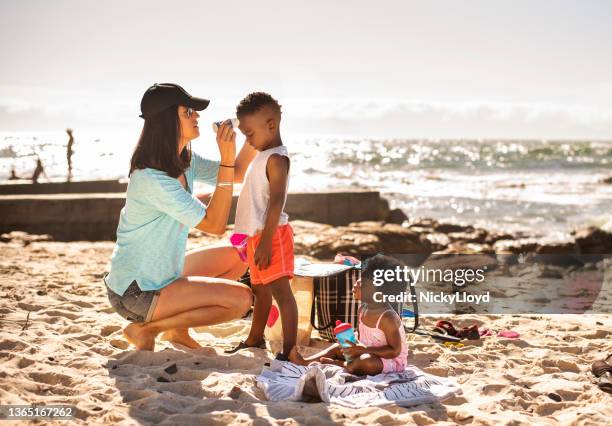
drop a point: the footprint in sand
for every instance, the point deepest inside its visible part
(30, 306)
(83, 304)
(119, 344)
(107, 330)
(52, 378)
(58, 313)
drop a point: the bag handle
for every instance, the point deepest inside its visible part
(415, 306)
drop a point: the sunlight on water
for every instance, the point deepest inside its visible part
(535, 185)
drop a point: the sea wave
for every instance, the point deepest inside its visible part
(544, 186)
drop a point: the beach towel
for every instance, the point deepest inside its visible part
(284, 381)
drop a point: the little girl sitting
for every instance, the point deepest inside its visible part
(382, 344)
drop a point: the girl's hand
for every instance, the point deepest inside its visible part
(354, 351)
(226, 141)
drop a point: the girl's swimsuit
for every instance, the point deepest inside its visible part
(375, 337)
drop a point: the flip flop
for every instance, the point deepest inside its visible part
(470, 333)
(484, 332)
(437, 334)
(242, 345)
(603, 372)
(446, 327)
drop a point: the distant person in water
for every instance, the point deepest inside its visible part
(38, 171)
(69, 153)
(13, 174)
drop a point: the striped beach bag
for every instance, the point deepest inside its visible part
(333, 300)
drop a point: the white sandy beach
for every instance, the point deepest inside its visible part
(70, 351)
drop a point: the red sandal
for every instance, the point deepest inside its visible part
(446, 327)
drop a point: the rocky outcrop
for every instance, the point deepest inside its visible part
(592, 240)
(522, 245)
(324, 241)
(396, 216)
(427, 236)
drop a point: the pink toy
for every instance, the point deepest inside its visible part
(346, 260)
(239, 241)
(272, 316)
(509, 334)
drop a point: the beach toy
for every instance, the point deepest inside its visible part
(235, 123)
(509, 334)
(239, 241)
(344, 334)
(347, 260)
(272, 316)
(407, 313)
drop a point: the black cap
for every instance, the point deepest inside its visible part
(163, 95)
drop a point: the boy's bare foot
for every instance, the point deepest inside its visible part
(137, 335)
(181, 336)
(325, 360)
(296, 358)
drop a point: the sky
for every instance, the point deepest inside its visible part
(413, 69)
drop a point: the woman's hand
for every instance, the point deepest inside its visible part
(226, 140)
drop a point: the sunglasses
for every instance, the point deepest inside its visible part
(189, 112)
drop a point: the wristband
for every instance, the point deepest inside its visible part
(230, 167)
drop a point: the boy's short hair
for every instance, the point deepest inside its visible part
(380, 262)
(255, 101)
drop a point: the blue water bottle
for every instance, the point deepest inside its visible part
(344, 334)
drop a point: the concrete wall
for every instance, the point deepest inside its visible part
(95, 216)
(81, 187)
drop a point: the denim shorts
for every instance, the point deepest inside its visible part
(135, 305)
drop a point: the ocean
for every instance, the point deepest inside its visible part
(540, 187)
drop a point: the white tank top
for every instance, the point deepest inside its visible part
(252, 208)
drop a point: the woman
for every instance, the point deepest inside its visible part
(152, 282)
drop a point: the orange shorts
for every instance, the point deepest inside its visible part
(281, 260)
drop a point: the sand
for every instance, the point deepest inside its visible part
(70, 351)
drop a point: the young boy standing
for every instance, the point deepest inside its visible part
(260, 216)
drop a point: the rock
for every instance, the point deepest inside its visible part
(394, 238)
(424, 230)
(438, 240)
(456, 261)
(558, 253)
(523, 245)
(447, 228)
(461, 247)
(548, 272)
(593, 240)
(423, 222)
(557, 247)
(24, 237)
(396, 216)
(324, 241)
(492, 237)
(476, 236)
(607, 180)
